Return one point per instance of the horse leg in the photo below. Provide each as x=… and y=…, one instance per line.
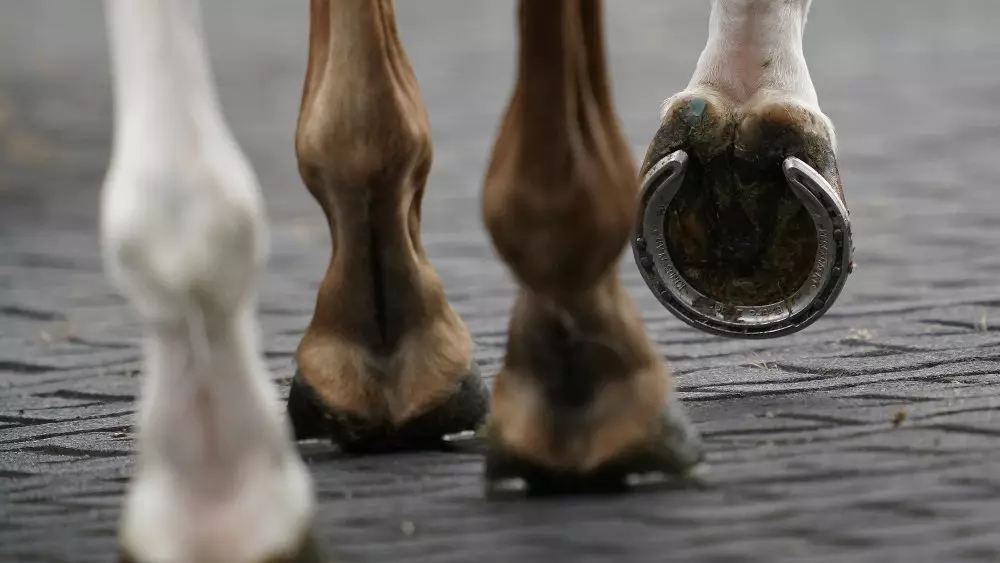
x=583, y=398
x=735, y=229
x=184, y=236
x=385, y=362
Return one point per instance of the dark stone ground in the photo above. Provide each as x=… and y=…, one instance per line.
x=806, y=463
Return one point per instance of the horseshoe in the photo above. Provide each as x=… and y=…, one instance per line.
x=831, y=267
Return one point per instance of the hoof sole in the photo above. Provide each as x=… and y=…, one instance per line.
x=743, y=230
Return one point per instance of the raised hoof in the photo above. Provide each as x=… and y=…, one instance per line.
x=673, y=452
x=463, y=410
x=742, y=229
x=307, y=551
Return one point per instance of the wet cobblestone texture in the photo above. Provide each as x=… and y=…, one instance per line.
x=874, y=435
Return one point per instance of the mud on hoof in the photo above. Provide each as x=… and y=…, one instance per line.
x=737, y=247
x=583, y=402
x=463, y=410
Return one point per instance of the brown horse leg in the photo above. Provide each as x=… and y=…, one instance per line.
x=385, y=362
x=583, y=398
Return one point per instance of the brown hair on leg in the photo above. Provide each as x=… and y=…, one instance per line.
x=582, y=394
x=560, y=189
x=385, y=361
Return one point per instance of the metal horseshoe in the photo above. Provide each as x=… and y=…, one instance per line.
x=830, y=270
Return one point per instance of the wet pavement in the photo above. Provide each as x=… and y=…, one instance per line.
x=873, y=435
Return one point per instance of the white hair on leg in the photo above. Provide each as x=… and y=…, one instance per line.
x=754, y=56
x=184, y=236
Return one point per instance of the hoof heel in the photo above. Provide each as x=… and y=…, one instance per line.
x=673, y=452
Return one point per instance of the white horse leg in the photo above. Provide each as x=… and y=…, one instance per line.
x=754, y=55
x=739, y=229
x=184, y=236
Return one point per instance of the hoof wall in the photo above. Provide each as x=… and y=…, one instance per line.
x=307, y=551
x=464, y=410
x=674, y=453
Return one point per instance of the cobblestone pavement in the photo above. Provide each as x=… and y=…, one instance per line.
x=871, y=436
